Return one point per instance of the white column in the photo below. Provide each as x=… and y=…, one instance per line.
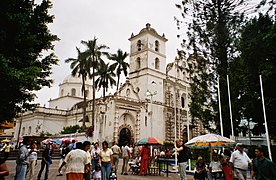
x=151, y=112
x=116, y=123
x=175, y=157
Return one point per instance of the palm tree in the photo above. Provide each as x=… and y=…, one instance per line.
x=119, y=64
x=79, y=67
x=94, y=53
x=105, y=76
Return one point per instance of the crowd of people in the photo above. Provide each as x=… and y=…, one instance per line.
x=85, y=160
x=228, y=165
x=78, y=160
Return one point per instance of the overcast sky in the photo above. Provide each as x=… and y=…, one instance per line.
x=112, y=22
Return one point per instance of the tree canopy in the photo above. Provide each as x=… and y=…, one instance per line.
x=223, y=40
x=212, y=31
x=24, y=36
x=258, y=57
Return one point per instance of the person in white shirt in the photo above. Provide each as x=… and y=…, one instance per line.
x=97, y=175
x=32, y=161
x=106, y=161
x=95, y=158
x=215, y=168
x=240, y=161
x=130, y=151
x=76, y=162
x=116, y=152
x=125, y=155
x=86, y=148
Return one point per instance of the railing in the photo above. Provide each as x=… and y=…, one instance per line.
x=14, y=153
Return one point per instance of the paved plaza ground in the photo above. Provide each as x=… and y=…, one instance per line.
x=53, y=172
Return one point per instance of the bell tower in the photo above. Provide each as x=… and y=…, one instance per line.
x=147, y=61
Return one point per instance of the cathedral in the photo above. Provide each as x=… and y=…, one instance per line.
x=152, y=102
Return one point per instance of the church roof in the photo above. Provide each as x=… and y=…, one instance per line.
x=74, y=79
x=149, y=29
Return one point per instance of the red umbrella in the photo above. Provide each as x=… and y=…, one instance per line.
x=66, y=140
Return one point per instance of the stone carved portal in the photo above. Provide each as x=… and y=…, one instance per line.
x=125, y=135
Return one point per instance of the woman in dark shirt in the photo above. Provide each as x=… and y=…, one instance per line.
x=46, y=161
x=200, y=172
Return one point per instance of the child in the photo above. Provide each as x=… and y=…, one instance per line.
x=113, y=175
x=97, y=172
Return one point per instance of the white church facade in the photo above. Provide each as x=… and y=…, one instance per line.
x=153, y=101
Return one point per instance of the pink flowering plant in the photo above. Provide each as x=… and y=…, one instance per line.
x=89, y=131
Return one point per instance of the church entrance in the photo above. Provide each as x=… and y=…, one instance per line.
x=124, y=136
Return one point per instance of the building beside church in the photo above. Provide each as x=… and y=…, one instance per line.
x=153, y=101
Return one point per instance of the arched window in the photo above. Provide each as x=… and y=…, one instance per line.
x=23, y=131
x=146, y=120
x=62, y=92
x=156, y=45
x=29, y=130
x=127, y=92
x=182, y=102
x=184, y=76
x=138, y=63
x=73, y=92
x=157, y=63
x=139, y=45
x=177, y=73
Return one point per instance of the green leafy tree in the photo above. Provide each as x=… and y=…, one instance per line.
x=258, y=57
x=200, y=91
x=119, y=64
x=213, y=27
x=80, y=68
x=71, y=129
x=94, y=53
x=105, y=76
x=24, y=35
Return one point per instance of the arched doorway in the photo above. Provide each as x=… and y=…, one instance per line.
x=124, y=136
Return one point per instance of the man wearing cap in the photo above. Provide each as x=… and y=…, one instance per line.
x=240, y=161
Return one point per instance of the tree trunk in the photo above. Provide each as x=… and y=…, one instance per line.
x=94, y=101
x=118, y=82
x=84, y=102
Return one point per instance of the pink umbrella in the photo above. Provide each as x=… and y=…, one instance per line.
x=47, y=141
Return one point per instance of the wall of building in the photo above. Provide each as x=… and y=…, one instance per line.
x=65, y=103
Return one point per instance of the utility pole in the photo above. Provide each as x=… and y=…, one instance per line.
x=266, y=128
x=220, y=115
x=19, y=130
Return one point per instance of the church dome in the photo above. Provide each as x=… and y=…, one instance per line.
x=148, y=29
x=73, y=79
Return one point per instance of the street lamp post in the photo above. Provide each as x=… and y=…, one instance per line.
x=19, y=130
x=220, y=115
x=150, y=94
x=249, y=131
